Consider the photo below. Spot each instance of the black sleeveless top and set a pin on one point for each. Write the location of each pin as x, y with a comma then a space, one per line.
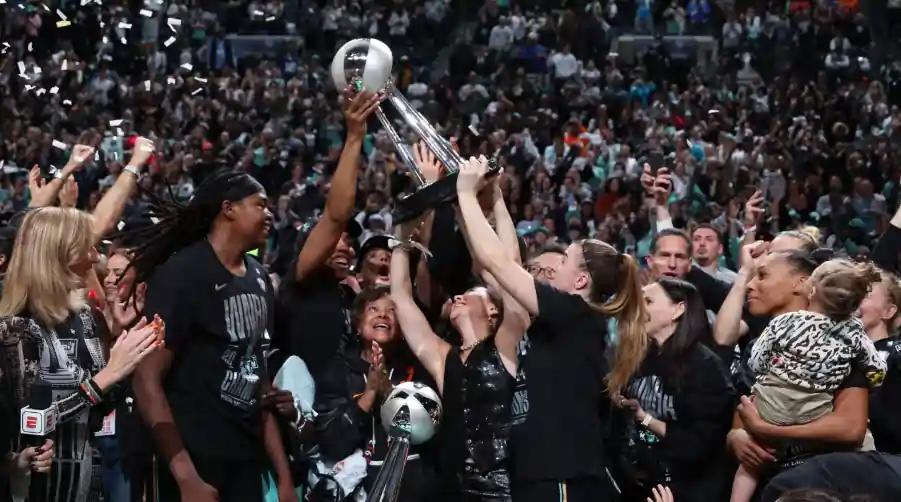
477, 397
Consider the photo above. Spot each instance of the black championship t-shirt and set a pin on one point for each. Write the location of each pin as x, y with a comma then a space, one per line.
313, 318
216, 324
556, 405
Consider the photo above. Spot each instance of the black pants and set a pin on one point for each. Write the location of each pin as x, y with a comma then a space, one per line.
236, 481
868, 473
570, 490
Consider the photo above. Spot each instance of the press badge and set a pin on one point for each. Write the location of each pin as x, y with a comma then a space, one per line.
109, 426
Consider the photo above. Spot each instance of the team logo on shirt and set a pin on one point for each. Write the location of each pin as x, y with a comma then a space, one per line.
245, 323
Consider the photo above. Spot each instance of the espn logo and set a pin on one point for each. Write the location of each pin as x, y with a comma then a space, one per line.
38, 422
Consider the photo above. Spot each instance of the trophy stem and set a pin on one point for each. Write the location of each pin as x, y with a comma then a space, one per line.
402, 152
386, 487
439, 146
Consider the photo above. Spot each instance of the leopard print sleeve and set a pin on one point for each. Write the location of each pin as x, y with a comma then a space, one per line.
866, 354
762, 350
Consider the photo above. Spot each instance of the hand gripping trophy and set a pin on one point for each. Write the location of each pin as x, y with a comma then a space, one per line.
367, 63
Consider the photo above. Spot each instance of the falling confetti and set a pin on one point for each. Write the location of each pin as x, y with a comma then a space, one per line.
5, 44
147, 85
64, 23
60, 145
169, 41
187, 66
115, 123
146, 13
154, 220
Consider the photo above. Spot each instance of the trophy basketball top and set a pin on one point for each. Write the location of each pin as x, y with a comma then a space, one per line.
365, 63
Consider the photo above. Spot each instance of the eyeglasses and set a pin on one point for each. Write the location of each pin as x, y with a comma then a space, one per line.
537, 271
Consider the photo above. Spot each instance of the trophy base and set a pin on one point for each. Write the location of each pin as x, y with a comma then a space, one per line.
431, 195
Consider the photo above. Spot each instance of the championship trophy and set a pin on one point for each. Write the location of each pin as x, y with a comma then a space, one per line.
366, 63
410, 415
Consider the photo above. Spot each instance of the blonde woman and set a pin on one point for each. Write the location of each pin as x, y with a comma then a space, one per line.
51, 348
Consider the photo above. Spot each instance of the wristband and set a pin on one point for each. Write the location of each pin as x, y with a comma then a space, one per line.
748, 229
646, 421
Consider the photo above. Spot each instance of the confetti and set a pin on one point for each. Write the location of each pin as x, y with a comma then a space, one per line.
2, 2
147, 85
63, 24
21, 65
124, 26
54, 90
96, 156
170, 80
187, 66
197, 91
173, 21
5, 44
146, 13
30, 46
67, 102
154, 220
120, 132
201, 80
169, 41
61, 14
60, 145
40, 91
115, 123
120, 225
473, 129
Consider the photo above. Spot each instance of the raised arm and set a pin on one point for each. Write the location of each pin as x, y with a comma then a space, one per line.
45, 194
516, 318
487, 249
111, 206
425, 344
339, 207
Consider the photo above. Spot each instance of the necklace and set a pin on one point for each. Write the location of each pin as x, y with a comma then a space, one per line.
471, 345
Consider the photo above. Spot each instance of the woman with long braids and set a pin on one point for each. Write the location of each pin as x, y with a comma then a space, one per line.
556, 450
203, 397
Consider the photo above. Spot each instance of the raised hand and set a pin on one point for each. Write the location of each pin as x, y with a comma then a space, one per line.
68, 194
430, 168
471, 178
754, 209
357, 109
80, 154
662, 494
663, 187
143, 150
37, 186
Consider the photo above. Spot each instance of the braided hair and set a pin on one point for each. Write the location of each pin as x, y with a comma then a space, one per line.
178, 225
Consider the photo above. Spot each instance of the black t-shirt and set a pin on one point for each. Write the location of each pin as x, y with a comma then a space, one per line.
216, 324
312, 318
885, 405
697, 410
557, 403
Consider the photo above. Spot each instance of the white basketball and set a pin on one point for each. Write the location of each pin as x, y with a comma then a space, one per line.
363, 62
413, 407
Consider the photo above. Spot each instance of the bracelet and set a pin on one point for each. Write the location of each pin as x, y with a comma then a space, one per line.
133, 170
91, 392
408, 245
646, 421
748, 229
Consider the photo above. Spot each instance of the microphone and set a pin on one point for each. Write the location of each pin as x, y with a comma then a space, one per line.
39, 417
